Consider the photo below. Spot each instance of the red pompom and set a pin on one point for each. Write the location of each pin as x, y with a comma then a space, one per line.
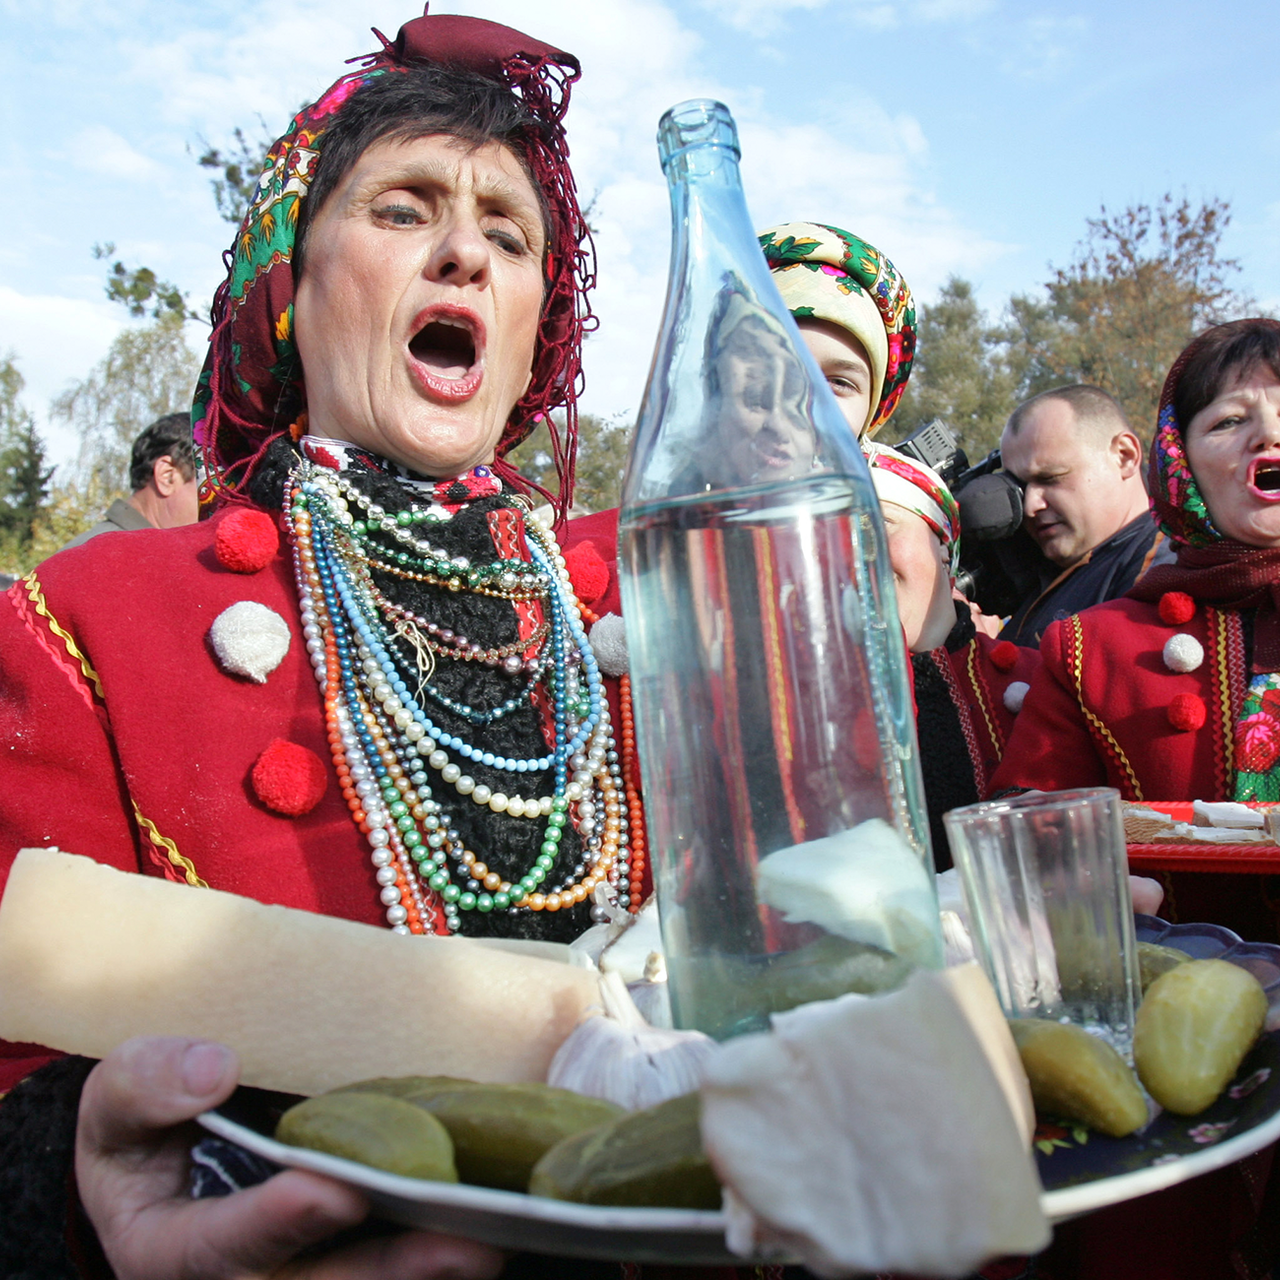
1186, 711
247, 540
1176, 607
1004, 657
289, 778
587, 571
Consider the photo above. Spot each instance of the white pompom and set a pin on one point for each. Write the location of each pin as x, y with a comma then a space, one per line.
250, 640
1183, 652
1015, 695
609, 644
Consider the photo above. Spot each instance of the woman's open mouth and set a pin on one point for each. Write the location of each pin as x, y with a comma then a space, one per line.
446, 352
1264, 479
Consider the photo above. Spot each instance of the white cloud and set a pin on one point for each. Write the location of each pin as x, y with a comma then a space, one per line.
97, 149
767, 17
952, 10
52, 339
812, 172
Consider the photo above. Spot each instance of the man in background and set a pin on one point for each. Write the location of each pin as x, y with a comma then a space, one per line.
162, 474
1084, 503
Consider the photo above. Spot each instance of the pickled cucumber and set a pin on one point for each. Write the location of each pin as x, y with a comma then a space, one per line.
500, 1131
1153, 960
387, 1133
403, 1086
1079, 1077
649, 1158
1194, 1027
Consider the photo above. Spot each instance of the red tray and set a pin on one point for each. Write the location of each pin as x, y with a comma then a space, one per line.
1258, 859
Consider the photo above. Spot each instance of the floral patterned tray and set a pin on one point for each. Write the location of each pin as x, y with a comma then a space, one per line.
1083, 1171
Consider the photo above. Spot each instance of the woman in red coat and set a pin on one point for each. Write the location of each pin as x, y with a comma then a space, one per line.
1171, 694
363, 687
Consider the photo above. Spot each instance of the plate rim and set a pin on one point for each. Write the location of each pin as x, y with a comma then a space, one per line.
1057, 1206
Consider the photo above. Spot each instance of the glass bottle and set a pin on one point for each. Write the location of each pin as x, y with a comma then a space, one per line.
768, 673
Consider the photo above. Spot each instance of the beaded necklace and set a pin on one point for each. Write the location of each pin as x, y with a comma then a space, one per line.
399, 769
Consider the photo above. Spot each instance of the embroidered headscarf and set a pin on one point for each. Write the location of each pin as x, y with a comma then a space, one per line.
920, 489
251, 390
824, 273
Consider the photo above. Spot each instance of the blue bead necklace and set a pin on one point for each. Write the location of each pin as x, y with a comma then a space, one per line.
390, 746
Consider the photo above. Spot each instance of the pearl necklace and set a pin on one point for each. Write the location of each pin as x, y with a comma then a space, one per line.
383, 742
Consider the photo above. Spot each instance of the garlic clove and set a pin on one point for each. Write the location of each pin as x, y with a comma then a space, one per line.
618, 1056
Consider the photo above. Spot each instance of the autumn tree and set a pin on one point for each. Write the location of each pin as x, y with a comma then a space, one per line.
149, 370
961, 372
1142, 284
602, 459
236, 168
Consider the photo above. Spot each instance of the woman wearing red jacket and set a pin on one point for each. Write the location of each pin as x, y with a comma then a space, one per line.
363, 687
1173, 693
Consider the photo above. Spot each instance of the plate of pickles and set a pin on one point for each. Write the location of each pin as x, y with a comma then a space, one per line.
1083, 1169
523, 1167
532, 1168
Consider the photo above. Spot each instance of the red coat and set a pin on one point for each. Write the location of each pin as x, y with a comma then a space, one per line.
1105, 709
125, 741
1099, 714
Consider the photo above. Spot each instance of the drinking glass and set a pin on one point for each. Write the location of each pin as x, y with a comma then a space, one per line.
1046, 882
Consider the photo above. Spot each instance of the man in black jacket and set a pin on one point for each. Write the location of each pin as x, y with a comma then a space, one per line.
1084, 503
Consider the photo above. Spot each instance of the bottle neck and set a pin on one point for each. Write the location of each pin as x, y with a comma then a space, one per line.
702, 163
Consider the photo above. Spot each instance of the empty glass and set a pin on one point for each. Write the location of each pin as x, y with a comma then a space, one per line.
1046, 881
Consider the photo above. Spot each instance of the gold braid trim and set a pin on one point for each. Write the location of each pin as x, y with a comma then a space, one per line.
32, 584
1226, 710
1075, 650
980, 696
185, 865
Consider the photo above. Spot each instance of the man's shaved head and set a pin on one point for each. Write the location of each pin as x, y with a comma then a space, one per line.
1093, 410
1080, 464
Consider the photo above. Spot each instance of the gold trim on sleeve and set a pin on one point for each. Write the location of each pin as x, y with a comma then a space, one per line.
32, 584
185, 865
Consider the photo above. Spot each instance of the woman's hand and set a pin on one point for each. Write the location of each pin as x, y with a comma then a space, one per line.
131, 1172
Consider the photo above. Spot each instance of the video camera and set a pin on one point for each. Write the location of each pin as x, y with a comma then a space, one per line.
1000, 564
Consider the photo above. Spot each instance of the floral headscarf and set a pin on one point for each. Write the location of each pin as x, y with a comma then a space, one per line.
1175, 496
824, 273
251, 390
907, 483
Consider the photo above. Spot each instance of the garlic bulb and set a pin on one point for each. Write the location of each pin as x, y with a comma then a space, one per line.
618, 1056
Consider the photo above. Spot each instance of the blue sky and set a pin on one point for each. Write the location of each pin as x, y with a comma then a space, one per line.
960, 136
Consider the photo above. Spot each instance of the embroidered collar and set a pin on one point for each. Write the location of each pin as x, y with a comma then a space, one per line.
449, 494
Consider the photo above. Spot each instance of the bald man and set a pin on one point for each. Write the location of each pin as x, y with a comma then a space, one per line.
1084, 503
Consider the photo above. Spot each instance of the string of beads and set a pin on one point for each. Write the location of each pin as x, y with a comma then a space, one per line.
386, 748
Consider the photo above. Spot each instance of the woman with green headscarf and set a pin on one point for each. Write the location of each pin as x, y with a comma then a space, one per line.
855, 313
